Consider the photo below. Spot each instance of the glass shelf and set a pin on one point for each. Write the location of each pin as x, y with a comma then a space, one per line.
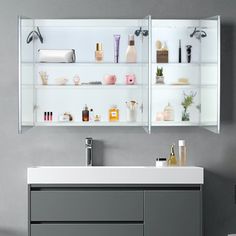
187, 86
184, 64
175, 123
86, 124
120, 63
116, 86
181, 123
85, 63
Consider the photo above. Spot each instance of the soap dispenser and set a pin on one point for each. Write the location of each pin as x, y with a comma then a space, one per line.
172, 161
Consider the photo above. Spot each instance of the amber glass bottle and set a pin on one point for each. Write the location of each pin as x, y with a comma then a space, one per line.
85, 114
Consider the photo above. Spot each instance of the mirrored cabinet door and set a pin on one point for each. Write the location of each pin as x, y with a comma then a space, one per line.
26, 74
186, 73
146, 73
210, 74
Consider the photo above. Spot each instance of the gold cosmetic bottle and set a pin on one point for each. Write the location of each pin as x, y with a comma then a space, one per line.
172, 161
99, 52
113, 113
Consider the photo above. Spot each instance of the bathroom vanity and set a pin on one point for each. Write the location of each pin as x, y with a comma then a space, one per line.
104, 201
96, 79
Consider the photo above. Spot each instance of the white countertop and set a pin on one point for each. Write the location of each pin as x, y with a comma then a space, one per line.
114, 175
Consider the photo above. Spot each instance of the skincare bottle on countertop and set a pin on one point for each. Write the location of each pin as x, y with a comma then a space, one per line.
182, 153
99, 52
85, 114
180, 55
161, 162
172, 161
131, 53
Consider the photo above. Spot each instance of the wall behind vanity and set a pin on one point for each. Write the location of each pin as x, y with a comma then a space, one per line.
115, 146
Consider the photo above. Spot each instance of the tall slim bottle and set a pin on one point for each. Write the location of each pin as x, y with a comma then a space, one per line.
180, 55
182, 153
131, 53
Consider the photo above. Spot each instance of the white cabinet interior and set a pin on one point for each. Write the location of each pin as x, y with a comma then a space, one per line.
202, 73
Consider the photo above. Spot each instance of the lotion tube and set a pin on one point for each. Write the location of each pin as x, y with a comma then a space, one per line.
116, 47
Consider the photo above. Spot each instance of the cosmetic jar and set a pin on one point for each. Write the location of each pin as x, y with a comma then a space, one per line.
161, 162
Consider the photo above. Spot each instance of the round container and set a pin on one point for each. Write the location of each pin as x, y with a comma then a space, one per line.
169, 113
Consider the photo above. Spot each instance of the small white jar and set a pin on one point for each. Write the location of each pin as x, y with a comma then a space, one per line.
161, 162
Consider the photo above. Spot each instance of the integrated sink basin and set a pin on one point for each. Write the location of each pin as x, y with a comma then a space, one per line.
114, 175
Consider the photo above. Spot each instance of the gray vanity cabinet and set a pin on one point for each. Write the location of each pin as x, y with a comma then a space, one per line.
172, 212
86, 205
115, 210
87, 230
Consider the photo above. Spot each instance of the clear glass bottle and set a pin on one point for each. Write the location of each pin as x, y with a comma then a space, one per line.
169, 113
99, 52
182, 153
113, 113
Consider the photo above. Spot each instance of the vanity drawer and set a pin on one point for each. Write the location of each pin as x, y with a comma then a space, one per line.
87, 230
86, 205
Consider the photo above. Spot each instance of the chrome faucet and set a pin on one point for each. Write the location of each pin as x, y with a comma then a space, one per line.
88, 151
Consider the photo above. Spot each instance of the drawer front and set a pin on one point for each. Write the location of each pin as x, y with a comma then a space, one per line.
87, 230
174, 212
87, 205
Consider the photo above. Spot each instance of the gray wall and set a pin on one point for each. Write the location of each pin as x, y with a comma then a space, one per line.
65, 146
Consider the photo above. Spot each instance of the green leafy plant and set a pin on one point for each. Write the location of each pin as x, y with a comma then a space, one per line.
159, 71
186, 103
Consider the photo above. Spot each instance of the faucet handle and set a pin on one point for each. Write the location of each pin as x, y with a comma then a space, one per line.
89, 151
89, 141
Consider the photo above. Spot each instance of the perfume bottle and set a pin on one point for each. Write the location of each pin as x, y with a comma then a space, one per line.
172, 161
113, 113
85, 114
131, 53
99, 52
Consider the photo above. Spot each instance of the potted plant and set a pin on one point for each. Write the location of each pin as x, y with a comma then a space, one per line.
159, 76
186, 103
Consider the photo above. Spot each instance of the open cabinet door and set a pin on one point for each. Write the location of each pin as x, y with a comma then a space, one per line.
146, 73
26, 74
210, 73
